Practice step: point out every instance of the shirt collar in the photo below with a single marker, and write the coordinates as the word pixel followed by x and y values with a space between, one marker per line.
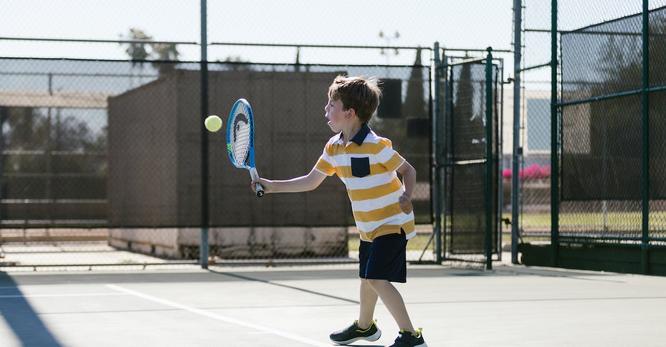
pixel 360 135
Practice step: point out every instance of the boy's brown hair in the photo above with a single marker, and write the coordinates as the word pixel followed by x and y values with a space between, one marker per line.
pixel 361 94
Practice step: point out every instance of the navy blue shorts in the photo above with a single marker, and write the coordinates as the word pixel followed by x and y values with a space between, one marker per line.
pixel 384 258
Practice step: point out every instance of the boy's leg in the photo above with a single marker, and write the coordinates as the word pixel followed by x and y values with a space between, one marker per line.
pixel 368 303
pixel 393 300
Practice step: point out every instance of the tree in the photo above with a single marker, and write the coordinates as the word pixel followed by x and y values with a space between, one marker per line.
pixel 165 54
pixel 137 51
pixel 468 126
pixel 612 167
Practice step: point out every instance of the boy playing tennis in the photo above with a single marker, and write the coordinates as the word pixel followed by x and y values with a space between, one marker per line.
pixel 367 165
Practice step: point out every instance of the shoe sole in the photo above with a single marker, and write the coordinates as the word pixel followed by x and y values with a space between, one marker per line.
pixel 371 338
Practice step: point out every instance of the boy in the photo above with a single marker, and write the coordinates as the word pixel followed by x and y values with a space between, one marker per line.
pixel 367 165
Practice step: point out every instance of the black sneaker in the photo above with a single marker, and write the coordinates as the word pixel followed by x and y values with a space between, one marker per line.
pixel 353 333
pixel 406 339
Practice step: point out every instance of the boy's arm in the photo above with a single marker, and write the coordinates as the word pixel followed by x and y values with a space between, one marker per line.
pixel 408 173
pixel 295 185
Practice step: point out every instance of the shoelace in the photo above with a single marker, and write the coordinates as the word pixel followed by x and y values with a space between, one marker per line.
pixel 417 333
pixel 364 330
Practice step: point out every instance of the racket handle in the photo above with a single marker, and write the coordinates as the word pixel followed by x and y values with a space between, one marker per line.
pixel 257 187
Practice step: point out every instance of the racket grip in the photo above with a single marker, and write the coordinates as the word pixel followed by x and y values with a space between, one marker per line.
pixel 257 187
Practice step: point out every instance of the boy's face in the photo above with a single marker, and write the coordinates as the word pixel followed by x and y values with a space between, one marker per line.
pixel 337 117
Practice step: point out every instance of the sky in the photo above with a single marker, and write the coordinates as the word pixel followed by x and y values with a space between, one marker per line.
pixel 453 23
pixel 468 24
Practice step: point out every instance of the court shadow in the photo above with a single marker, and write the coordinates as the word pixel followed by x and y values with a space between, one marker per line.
pixel 20 316
pixel 269 282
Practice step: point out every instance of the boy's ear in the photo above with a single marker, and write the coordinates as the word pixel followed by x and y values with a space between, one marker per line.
pixel 351 112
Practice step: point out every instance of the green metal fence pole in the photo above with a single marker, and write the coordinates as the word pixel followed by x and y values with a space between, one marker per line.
pixel 488 184
pixel 203 246
pixel 447 137
pixel 437 136
pixel 554 133
pixel 515 158
pixel 645 170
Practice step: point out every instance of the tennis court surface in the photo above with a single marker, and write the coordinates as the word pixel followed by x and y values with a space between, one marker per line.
pixel 300 306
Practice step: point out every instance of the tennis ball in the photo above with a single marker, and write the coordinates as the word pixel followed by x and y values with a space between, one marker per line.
pixel 213 123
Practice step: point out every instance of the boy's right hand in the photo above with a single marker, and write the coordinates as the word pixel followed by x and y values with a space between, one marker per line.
pixel 406 203
pixel 267 184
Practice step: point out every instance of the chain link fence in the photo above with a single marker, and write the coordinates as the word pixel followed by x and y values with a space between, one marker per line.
pixel 534 175
pixel 610 93
pixel 105 155
pixel 100 151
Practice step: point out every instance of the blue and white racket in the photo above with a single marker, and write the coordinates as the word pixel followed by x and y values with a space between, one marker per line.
pixel 240 140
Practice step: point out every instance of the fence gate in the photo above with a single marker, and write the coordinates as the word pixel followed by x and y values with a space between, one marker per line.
pixel 471 146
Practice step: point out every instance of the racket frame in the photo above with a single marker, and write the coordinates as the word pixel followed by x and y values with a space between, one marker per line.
pixel 249 162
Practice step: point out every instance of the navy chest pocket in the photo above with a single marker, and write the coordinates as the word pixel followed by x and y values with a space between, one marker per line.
pixel 360 167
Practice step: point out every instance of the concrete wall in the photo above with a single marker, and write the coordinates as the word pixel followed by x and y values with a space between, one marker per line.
pixel 234 243
pixel 154 167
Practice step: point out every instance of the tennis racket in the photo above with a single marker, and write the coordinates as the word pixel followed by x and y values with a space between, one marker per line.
pixel 240 140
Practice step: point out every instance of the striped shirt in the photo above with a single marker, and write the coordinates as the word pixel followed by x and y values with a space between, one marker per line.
pixel 367 166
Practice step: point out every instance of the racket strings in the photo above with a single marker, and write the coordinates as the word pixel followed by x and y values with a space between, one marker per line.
pixel 241 143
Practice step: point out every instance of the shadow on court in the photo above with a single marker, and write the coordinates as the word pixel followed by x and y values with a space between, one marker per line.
pixel 286 274
pixel 21 318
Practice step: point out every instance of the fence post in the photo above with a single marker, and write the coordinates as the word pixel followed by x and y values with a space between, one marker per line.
pixel 437 136
pixel 488 184
pixel 554 137
pixel 203 246
pixel 446 146
pixel 645 170
pixel 515 160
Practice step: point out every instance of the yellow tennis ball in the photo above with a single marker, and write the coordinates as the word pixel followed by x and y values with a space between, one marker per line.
pixel 213 123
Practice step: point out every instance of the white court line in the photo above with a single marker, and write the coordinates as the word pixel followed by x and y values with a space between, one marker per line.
pixel 58 295
pixel 287 335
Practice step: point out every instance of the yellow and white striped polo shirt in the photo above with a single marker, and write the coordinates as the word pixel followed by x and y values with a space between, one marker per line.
pixel 367 166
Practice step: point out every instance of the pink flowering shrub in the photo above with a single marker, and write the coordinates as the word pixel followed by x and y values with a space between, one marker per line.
pixel 532 172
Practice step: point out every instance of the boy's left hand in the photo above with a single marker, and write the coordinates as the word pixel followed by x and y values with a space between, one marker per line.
pixel 406 203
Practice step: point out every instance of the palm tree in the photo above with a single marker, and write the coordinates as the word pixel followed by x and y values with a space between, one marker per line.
pixel 166 54
pixel 137 51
